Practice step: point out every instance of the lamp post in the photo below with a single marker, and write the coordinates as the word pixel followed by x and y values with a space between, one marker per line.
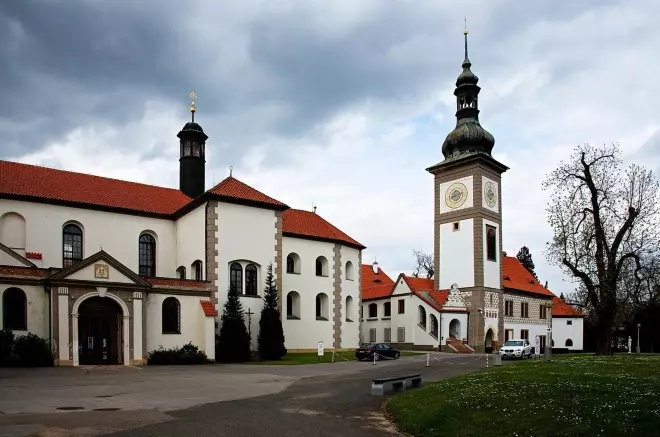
pixel 547 353
pixel 639 325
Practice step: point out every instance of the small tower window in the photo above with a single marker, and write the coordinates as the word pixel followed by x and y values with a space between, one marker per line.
pixel 491 243
pixel 186 148
pixel 456 226
pixel 195 148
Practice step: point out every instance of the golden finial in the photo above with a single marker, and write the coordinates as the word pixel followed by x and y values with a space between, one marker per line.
pixel 193 97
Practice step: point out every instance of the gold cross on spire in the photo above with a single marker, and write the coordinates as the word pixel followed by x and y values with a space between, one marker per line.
pixel 193 97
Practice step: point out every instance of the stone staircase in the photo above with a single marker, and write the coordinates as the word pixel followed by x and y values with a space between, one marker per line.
pixel 459 347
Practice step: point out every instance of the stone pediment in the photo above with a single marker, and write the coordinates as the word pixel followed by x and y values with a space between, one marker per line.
pixel 100 268
pixel 9 257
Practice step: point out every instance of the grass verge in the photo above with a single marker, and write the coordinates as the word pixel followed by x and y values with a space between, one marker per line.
pixel 571 395
pixel 313 358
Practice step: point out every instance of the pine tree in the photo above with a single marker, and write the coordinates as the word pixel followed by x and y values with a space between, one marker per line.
pixel 561 296
pixel 234 341
pixel 271 334
pixel 525 258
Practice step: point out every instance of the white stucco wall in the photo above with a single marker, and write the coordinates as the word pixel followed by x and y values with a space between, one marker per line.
pixel 492 270
pixel 307 332
pixel 117 234
pixel 421 336
pixel 247 235
pixel 446 320
pixel 191 240
pixel 37 309
pixel 533 328
pixel 457 254
pixel 191 322
pixel 561 331
pixel 350 331
pixel 379 323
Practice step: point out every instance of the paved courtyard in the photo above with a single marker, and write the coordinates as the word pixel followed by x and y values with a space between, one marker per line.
pixel 214 400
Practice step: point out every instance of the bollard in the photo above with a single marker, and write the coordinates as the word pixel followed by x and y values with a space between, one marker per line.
pixel 375 358
pixel 486 360
pixel 428 358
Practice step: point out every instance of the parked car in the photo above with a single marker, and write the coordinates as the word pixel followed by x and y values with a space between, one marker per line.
pixel 382 350
pixel 516 348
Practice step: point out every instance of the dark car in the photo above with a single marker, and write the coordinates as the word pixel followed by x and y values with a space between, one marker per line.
pixel 382 350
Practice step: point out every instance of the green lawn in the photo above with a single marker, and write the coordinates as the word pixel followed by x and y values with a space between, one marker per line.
pixel 313 358
pixel 570 396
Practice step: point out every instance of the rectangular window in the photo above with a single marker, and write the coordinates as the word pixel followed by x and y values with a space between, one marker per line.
pixel 524 334
pixel 372 335
pixel 388 335
pixel 508 334
pixel 569 322
pixel 524 310
pixel 373 310
pixel 543 311
pixel 402 306
pixel 457 226
pixel 387 306
pixel 401 334
pixel 508 308
pixel 491 243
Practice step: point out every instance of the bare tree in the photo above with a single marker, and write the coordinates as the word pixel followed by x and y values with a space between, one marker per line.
pixel 604 221
pixel 423 264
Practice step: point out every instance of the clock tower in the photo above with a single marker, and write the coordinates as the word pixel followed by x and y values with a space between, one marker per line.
pixel 468 217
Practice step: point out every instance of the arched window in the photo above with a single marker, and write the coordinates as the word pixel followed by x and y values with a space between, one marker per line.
pixel 373 310
pixel 181 272
pixel 434 326
pixel 14 309
pixel 236 278
pixel 197 271
pixel 293 305
pixel 321 266
pixel 349 308
pixel 171 316
pixel 349 270
pixel 147 255
pixel 491 243
pixel 322 306
pixel 72 252
pixel 569 342
pixel 293 263
pixel 251 280
pixel 422 317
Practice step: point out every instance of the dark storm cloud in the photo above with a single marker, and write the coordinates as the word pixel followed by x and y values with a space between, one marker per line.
pixel 66 64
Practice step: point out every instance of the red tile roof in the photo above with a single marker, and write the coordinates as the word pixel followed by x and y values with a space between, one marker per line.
pixel 374 285
pixel 562 309
pixel 418 284
pixel 235 189
pixel 517 277
pixel 33 181
pixel 208 308
pixel 23 271
pixel 423 288
pixel 309 224
pixel 178 283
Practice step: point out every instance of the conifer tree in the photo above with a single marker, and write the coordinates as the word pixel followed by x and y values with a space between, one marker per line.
pixel 234 341
pixel 271 334
pixel 525 258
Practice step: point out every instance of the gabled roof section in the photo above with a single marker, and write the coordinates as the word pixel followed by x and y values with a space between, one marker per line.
pixel 517 277
pixel 18 258
pixel 35 183
pixel 562 309
pixel 307 224
pixel 418 284
pixel 233 190
pixel 374 285
pixel 423 288
pixel 100 256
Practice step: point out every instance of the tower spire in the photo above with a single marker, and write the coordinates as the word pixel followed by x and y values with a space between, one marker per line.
pixel 465 34
pixel 193 97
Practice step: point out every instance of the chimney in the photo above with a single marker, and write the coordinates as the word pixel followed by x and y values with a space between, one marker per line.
pixel 314 209
pixel 375 267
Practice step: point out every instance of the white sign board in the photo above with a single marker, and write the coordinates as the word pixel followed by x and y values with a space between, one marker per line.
pixel 537 348
pixel 320 348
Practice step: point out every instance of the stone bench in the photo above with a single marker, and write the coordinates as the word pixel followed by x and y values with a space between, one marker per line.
pixel 399 383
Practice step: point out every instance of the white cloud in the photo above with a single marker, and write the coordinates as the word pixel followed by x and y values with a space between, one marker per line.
pixel 549 85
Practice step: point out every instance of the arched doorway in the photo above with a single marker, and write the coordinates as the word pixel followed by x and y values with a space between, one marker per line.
pixel 489 341
pixel 100 331
pixel 455 329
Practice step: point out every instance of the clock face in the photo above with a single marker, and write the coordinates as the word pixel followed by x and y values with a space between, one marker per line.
pixel 490 194
pixel 456 195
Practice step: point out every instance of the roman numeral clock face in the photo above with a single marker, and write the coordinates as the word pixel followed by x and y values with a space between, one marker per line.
pixel 456 195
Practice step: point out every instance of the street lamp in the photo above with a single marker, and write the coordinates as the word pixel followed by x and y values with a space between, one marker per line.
pixel 639 325
pixel 547 353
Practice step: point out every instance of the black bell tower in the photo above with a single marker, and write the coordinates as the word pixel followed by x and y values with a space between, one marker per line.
pixel 192 156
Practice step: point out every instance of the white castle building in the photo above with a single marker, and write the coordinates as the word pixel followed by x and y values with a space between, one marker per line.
pixel 109 270
pixel 478 298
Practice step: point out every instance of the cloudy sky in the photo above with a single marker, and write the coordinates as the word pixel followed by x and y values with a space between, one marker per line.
pixel 340 103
